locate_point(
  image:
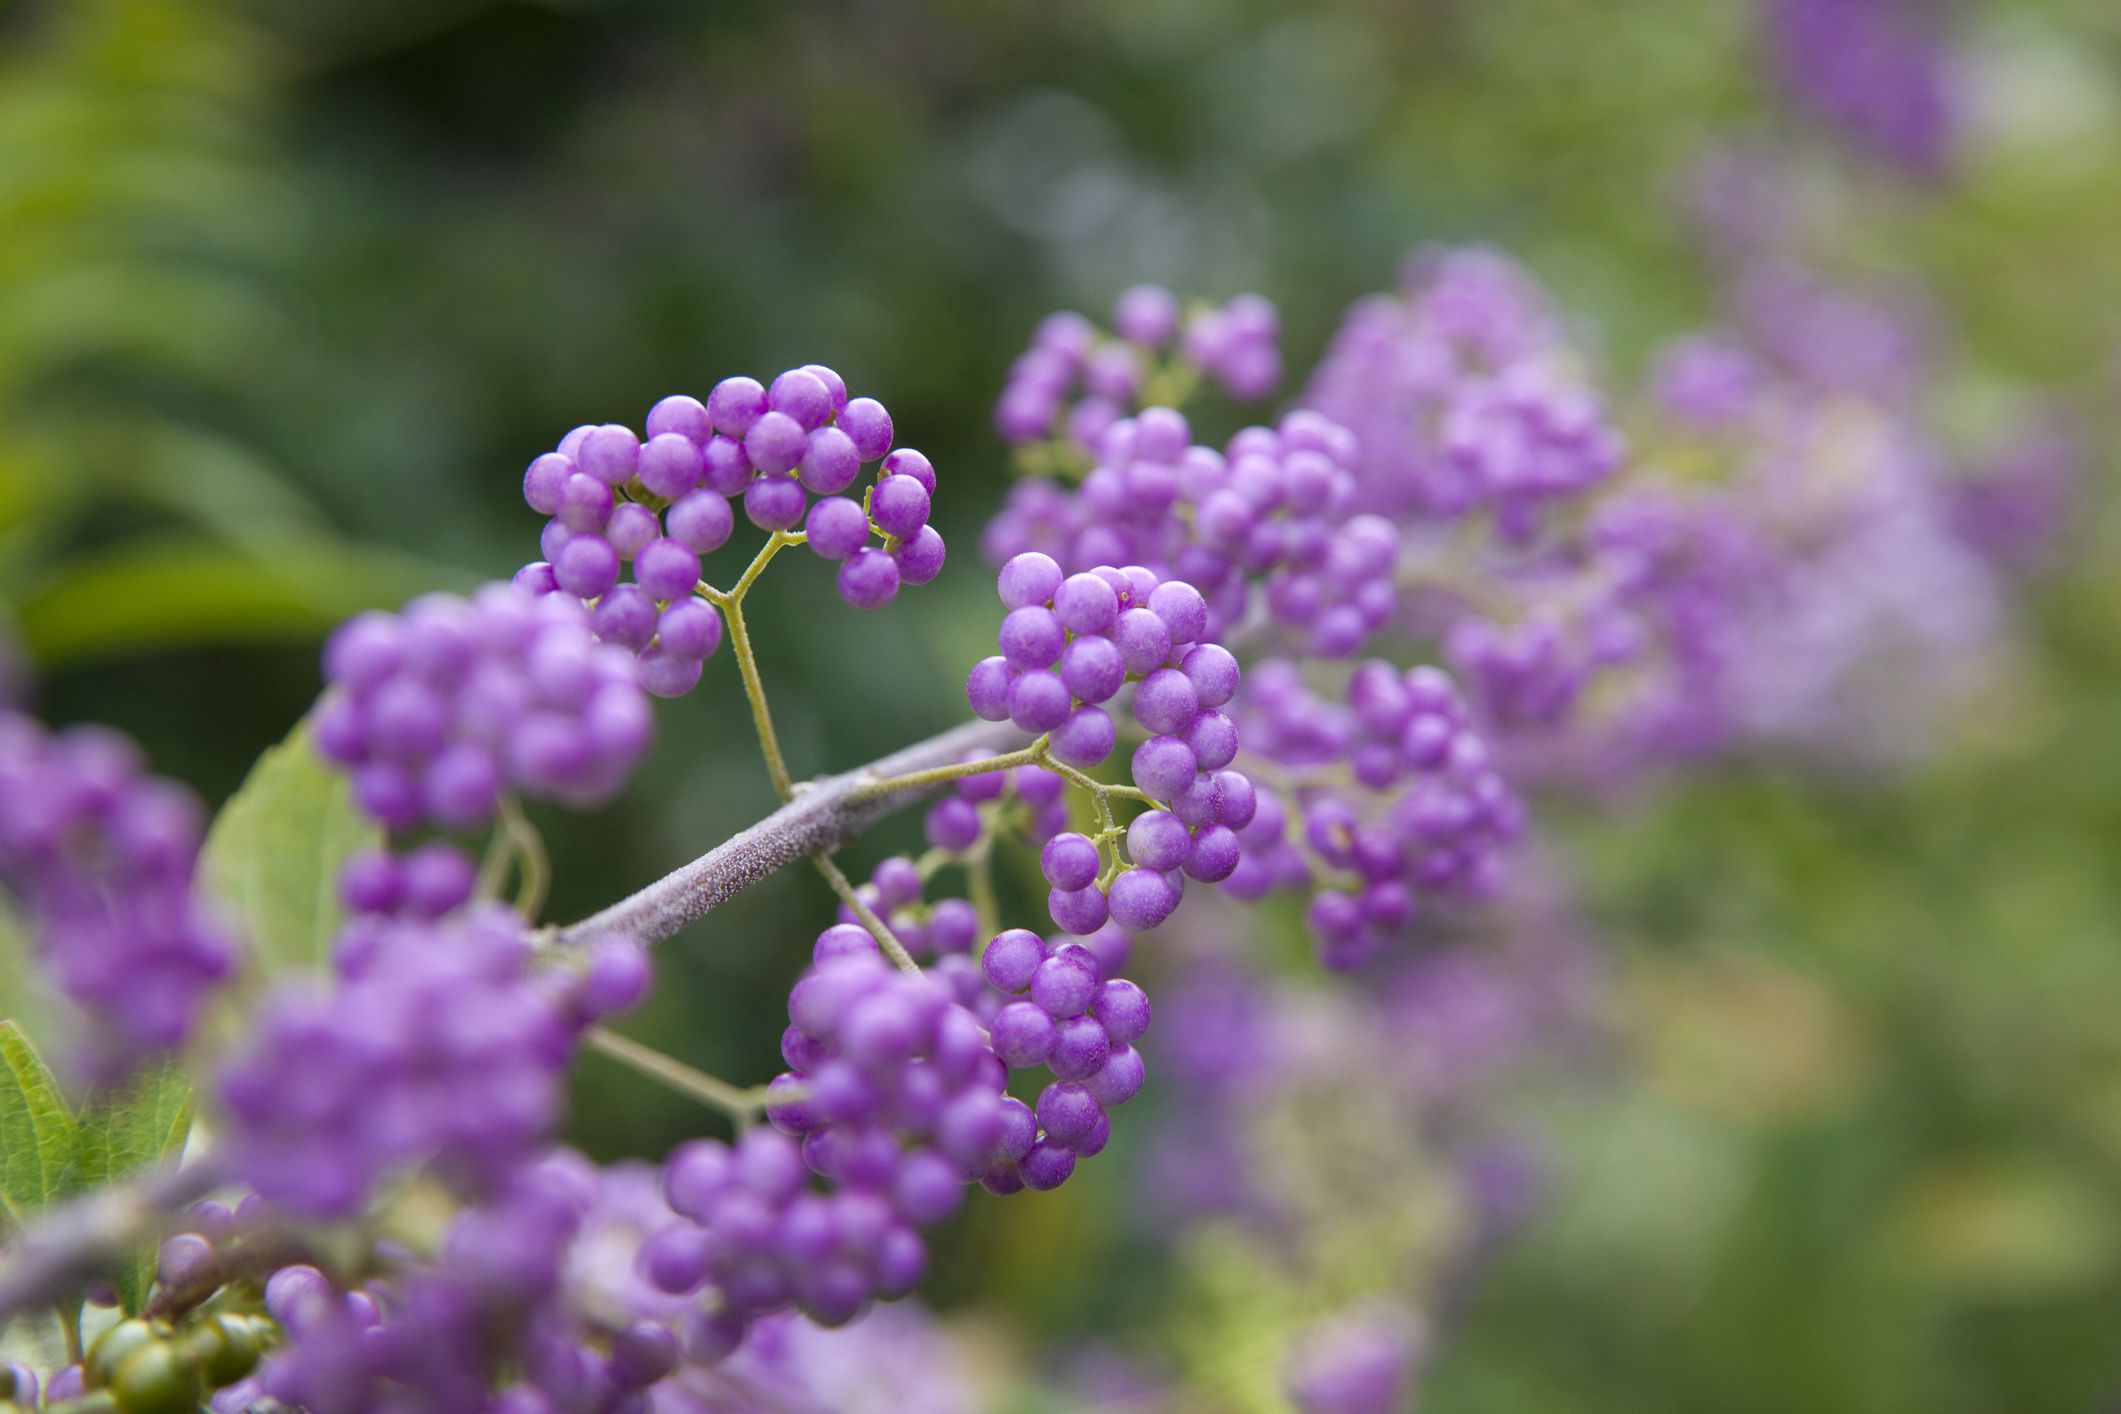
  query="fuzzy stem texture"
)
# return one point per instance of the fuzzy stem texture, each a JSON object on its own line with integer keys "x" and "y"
{"x": 824, "y": 815}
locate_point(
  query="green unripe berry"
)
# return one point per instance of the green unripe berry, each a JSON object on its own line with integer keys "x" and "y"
{"x": 225, "y": 1348}
{"x": 157, "y": 1379}
{"x": 114, "y": 1345}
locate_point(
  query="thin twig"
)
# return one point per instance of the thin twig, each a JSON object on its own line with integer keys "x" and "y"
{"x": 731, "y": 603}
{"x": 939, "y": 775}
{"x": 878, "y": 928}
{"x": 736, "y": 1101}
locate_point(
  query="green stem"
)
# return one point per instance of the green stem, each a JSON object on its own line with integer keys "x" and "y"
{"x": 70, "y": 1326}
{"x": 1031, "y": 755}
{"x": 515, "y": 842}
{"x": 1091, "y": 784}
{"x": 878, "y": 929}
{"x": 741, "y": 1104}
{"x": 731, "y": 603}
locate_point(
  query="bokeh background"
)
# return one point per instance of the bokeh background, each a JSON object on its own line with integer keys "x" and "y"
{"x": 290, "y": 290}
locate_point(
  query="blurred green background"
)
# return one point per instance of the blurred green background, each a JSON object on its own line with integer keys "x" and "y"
{"x": 290, "y": 290}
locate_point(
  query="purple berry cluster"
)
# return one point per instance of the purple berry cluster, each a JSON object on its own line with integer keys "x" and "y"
{"x": 1235, "y": 345}
{"x": 486, "y": 1326}
{"x": 1462, "y": 395}
{"x": 439, "y": 710}
{"x": 1533, "y": 433}
{"x": 438, "y": 1042}
{"x": 892, "y": 1096}
{"x": 1274, "y": 516}
{"x": 1060, "y": 1008}
{"x": 102, "y": 857}
{"x": 1426, "y": 811}
{"x": 1069, "y": 644}
{"x": 661, "y": 503}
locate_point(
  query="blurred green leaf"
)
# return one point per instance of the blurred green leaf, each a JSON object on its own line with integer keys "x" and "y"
{"x": 273, "y": 854}
{"x": 19, "y": 1000}
{"x": 160, "y": 592}
{"x": 127, "y": 1130}
{"x": 39, "y": 1145}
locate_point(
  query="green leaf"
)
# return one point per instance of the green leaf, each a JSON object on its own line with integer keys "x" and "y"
{"x": 39, "y": 1147}
{"x": 272, "y": 857}
{"x": 35, "y": 1339}
{"x": 156, "y": 591}
{"x": 21, "y": 999}
{"x": 126, "y": 1130}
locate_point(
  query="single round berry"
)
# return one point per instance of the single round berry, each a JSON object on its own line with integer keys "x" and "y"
{"x": 1063, "y": 986}
{"x": 670, "y": 465}
{"x": 1031, "y": 637}
{"x": 899, "y": 506}
{"x": 868, "y": 579}
{"x": 1069, "y": 861}
{"x": 1141, "y": 899}
{"x": 775, "y": 502}
{"x": 1066, "y": 1111}
{"x": 1023, "y": 1034}
{"x": 1029, "y": 579}
{"x": 610, "y": 454}
{"x": 701, "y": 521}
{"x": 1214, "y": 856}
{"x": 1039, "y": 701}
{"x": 836, "y": 528}
{"x": 735, "y": 404}
{"x": 987, "y": 689}
{"x": 775, "y": 443}
{"x": 1163, "y": 766}
{"x": 802, "y": 396}
{"x": 1120, "y": 1079}
{"x": 865, "y": 421}
{"x": 667, "y": 570}
{"x": 1080, "y": 1048}
{"x": 1011, "y": 959}
{"x": 1122, "y": 1009}
{"x": 689, "y": 629}
{"x": 920, "y": 558}
{"x": 830, "y": 463}
{"x": 1086, "y": 738}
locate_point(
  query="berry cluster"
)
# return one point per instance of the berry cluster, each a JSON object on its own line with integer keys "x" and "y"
{"x": 438, "y": 1042}
{"x": 896, "y": 1097}
{"x": 1235, "y": 345}
{"x": 487, "y": 1326}
{"x": 1462, "y": 395}
{"x": 1081, "y": 1024}
{"x": 439, "y": 710}
{"x": 149, "y": 1366}
{"x": 1069, "y": 644}
{"x": 662, "y": 503}
{"x": 102, "y": 857}
{"x": 1274, "y": 513}
{"x": 1426, "y": 811}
